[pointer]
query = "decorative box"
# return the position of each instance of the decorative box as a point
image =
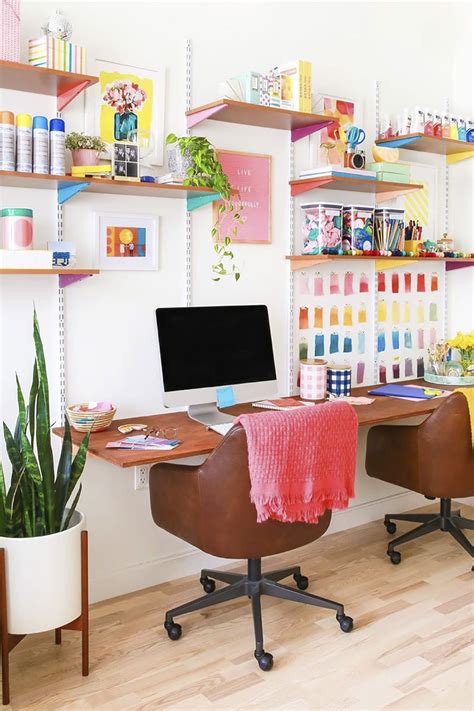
(10, 30)
(357, 227)
(26, 259)
(55, 53)
(322, 225)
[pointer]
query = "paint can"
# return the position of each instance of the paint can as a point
(313, 379)
(339, 380)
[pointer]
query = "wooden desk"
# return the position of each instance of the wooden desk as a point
(197, 440)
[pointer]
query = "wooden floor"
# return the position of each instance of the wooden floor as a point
(411, 647)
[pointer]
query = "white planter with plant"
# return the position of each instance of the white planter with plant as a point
(85, 150)
(40, 530)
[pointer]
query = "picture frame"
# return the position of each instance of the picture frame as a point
(148, 114)
(250, 176)
(347, 113)
(126, 241)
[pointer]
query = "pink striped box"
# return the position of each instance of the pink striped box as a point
(10, 30)
(313, 379)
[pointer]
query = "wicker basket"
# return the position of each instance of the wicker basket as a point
(90, 421)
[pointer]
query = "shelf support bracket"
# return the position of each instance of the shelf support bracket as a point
(450, 266)
(392, 194)
(67, 96)
(68, 279)
(67, 190)
(298, 133)
(457, 157)
(304, 187)
(399, 142)
(195, 118)
(195, 201)
(306, 262)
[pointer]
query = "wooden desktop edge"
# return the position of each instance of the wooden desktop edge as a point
(393, 409)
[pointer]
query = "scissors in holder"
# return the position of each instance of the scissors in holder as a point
(355, 136)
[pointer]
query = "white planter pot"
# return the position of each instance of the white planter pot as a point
(43, 576)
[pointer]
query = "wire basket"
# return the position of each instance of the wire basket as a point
(90, 421)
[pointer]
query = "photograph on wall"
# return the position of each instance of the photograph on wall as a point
(250, 179)
(128, 105)
(326, 146)
(126, 242)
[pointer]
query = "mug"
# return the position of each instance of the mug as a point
(313, 379)
(339, 380)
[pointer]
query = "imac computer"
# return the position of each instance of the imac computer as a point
(204, 348)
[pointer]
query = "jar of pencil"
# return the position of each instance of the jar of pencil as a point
(389, 229)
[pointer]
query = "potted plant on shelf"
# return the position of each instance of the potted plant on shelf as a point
(40, 527)
(85, 150)
(193, 159)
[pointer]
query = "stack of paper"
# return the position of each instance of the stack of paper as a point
(144, 442)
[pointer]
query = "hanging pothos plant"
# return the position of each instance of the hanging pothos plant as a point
(203, 169)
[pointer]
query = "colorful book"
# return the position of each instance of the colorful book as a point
(144, 443)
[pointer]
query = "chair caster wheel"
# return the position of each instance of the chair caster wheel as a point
(174, 630)
(390, 526)
(346, 623)
(301, 581)
(265, 660)
(395, 557)
(208, 584)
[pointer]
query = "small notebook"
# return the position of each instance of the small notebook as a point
(287, 403)
(404, 391)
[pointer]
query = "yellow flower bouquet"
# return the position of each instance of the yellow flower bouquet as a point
(464, 343)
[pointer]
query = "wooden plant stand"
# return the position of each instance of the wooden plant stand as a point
(80, 624)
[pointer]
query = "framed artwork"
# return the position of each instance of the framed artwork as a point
(250, 177)
(126, 242)
(128, 104)
(327, 150)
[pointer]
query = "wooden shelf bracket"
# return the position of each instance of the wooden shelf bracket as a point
(199, 116)
(303, 131)
(68, 190)
(458, 265)
(67, 96)
(68, 279)
(457, 157)
(195, 201)
(400, 142)
(304, 187)
(392, 194)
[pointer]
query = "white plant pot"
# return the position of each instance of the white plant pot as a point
(43, 576)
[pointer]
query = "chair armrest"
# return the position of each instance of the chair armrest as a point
(393, 455)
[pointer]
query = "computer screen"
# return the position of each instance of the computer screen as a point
(214, 346)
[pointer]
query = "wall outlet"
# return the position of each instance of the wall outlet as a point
(141, 477)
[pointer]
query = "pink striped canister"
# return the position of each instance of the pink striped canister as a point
(313, 379)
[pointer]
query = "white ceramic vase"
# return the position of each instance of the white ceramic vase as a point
(43, 578)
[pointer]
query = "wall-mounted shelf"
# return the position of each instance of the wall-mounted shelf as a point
(299, 123)
(453, 150)
(383, 190)
(39, 80)
(68, 186)
(304, 261)
(67, 275)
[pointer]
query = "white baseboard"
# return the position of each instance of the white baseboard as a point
(190, 562)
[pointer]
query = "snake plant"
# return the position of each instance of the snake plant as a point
(35, 503)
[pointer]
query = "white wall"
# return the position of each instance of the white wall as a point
(111, 347)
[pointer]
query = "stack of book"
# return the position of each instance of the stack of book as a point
(56, 53)
(337, 171)
(171, 179)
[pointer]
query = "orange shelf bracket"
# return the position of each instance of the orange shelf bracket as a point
(67, 96)
(392, 194)
(304, 187)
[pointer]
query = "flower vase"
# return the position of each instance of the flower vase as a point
(124, 124)
(467, 361)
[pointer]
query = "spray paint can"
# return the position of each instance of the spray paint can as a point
(437, 124)
(57, 163)
(461, 129)
(40, 145)
(24, 143)
(428, 123)
(7, 140)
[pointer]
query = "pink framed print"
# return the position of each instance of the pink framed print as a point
(250, 178)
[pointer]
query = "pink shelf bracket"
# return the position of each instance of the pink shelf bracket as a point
(391, 194)
(195, 118)
(68, 279)
(298, 188)
(67, 96)
(450, 266)
(298, 133)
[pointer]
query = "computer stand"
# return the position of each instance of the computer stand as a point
(208, 414)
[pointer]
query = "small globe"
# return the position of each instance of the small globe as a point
(58, 26)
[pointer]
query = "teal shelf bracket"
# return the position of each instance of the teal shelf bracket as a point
(196, 201)
(399, 142)
(67, 190)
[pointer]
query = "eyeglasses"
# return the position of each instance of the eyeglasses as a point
(164, 433)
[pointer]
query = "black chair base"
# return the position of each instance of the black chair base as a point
(446, 520)
(254, 585)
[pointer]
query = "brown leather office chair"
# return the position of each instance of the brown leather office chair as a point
(209, 506)
(436, 459)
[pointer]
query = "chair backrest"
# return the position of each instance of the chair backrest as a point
(445, 450)
(228, 519)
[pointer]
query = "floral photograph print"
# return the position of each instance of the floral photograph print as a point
(126, 242)
(129, 105)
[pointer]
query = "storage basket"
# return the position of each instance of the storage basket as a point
(89, 421)
(10, 30)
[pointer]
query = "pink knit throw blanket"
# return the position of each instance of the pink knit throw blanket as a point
(301, 462)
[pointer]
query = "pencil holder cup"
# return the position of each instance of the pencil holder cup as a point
(313, 379)
(339, 380)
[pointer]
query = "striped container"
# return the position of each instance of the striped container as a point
(339, 380)
(10, 30)
(89, 421)
(313, 379)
